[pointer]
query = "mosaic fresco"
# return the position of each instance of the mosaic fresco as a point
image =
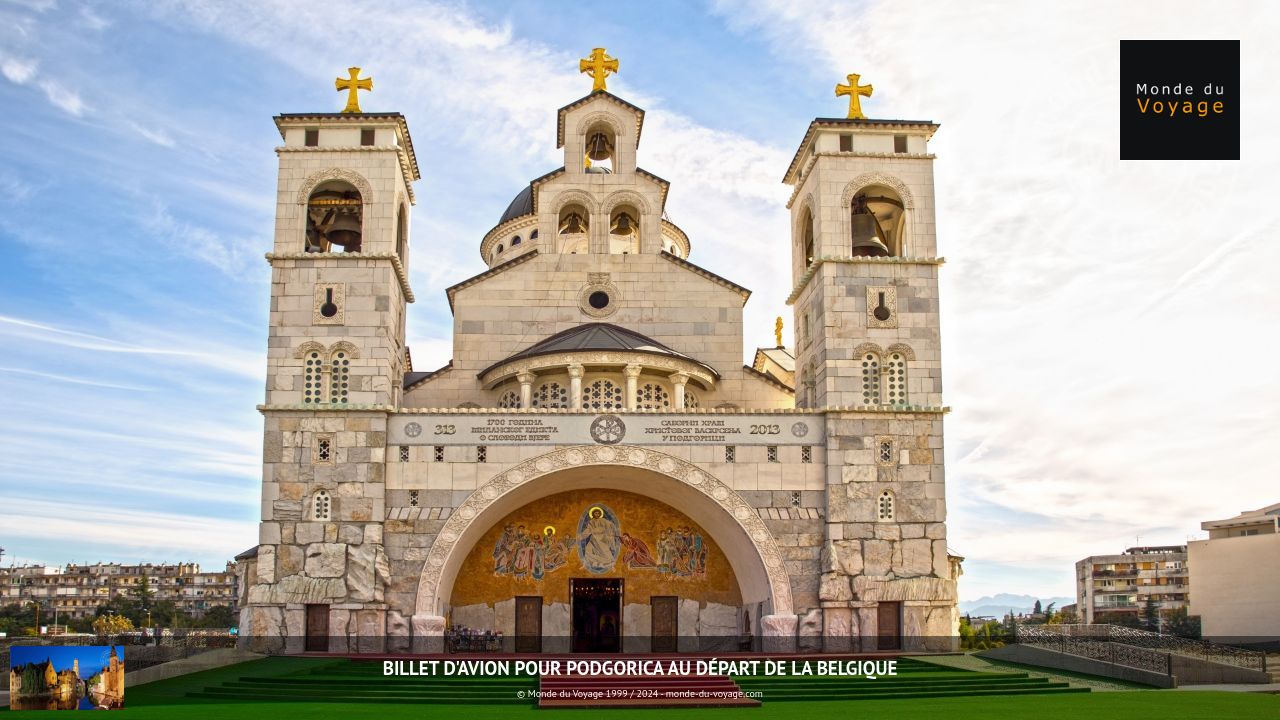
(538, 548)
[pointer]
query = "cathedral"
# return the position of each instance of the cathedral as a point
(596, 469)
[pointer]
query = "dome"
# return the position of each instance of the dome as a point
(520, 206)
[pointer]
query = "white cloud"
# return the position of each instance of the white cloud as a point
(18, 71)
(63, 97)
(154, 135)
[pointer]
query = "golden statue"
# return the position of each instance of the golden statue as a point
(599, 65)
(777, 330)
(353, 85)
(855, 92)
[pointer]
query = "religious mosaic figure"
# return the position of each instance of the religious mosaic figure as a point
(599, 539)
(635, 553)
(682, 552)
(522, 555)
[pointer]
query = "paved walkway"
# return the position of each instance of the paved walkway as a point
(1273, 688)
(978, 664)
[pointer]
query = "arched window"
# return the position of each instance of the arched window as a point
(321, 506)
(533, 235)
(602, 395)
(551, 395)
(871, 379)
(313, 379)
(896, 377)
(652, 396)
(515, 241)
(574, 228)
(335, 217)
(498, 251)
(339, 376)
(884, 507)
(599, 145)
(690, 399)
(402, 237)
(624, 231)
(877, 222)
(806, 239)
(509, 400)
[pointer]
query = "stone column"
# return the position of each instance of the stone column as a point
(526, 388)
(575, 386)
(633, 376)
(778, 633)
(428, 633)
(678, 381)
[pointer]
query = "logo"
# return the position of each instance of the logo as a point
(1179, 99)
(608, 429)
(413, 429)
(800, 429)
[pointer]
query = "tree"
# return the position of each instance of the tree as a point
(143, 594)
(1036, 610)
(222, 617)
(112, 625)
(1151, 615)
(1179, 623)
(1068, 617)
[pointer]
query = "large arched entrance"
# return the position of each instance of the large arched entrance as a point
(729, 520)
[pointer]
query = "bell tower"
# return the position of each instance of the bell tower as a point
(335, 366)
(865, 270)
(340, 261)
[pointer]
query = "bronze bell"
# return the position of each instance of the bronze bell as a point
(598, 147)
(622, 225)
(345, 231)
(868, 238)
(572, 225)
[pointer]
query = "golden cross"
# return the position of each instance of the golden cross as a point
(599, 65)
(353, 85)
(855, 92)
(777, 330)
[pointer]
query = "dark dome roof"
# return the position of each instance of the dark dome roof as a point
(597, 336)
(520, 206)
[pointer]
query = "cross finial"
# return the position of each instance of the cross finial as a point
(599, 64)
(353, 85)
(777, 330)
(855, 92)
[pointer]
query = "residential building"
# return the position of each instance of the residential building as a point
(1236, 577)
(76, 591)
(1123, 583)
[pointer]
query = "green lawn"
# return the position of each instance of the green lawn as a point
(167, 700)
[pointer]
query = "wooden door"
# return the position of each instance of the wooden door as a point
(529, 623)
(317, 628)
(665, 618)
(889, 626)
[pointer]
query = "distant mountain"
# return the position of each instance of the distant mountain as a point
(1000, 604)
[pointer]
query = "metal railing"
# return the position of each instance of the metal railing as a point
(1095, 648)
(1146, 640)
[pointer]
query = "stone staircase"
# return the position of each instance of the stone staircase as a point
(584, 691)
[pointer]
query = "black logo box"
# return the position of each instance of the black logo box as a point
(1190, 65)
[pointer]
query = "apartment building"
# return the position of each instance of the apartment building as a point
(1236, 573)
(1123, 583)
(76, 591)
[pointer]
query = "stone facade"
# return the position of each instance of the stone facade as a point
(590, 356)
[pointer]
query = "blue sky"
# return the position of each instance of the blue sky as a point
(1108, 327)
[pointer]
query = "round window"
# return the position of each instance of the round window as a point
(598, 300)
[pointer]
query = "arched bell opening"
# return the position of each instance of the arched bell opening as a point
(402, 236)
(624, 231)
(600, 149)
(877, 219)
(335, 218)
(807, 244)
(574, 227)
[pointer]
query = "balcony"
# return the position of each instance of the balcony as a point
(1131, 572)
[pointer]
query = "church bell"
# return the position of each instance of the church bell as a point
(623, 225)
(868, 238)
(345, 231)
(572, 225)
(598, 147)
